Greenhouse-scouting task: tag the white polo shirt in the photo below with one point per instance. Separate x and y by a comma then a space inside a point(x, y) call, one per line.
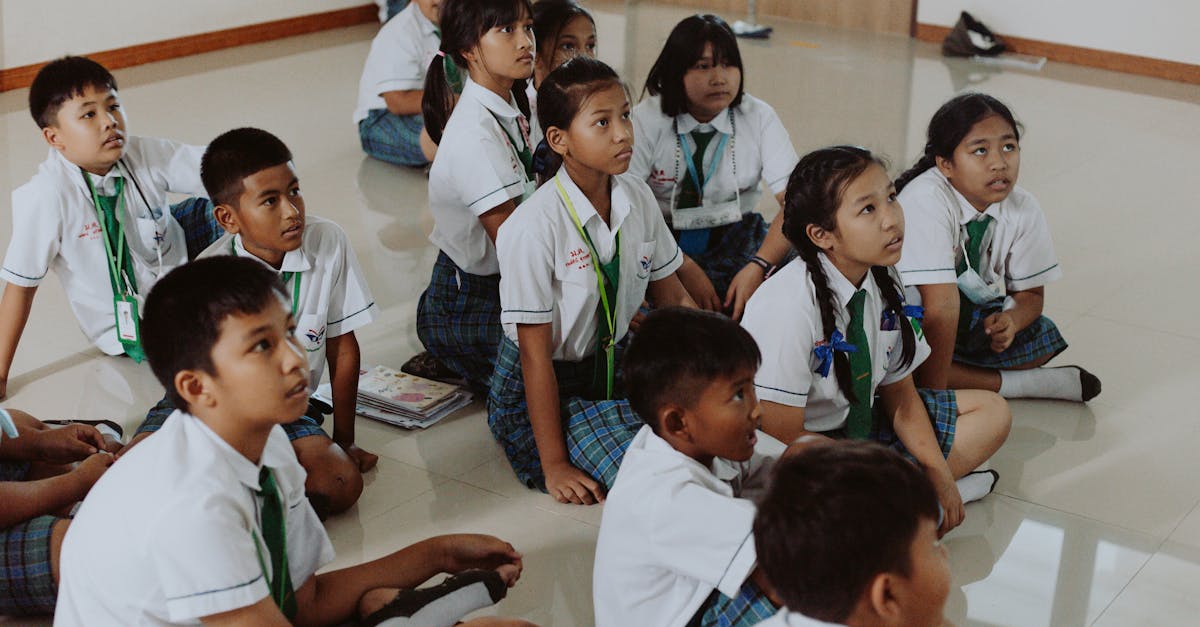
point(56, 227)
point(399, 58)
point(546, 273)
point(761, 149)
point(476, 170)
point(674, 530)
point(935, 216)
point(334, 296)
point(785, 320)
point(167, 535)
point(787, 618)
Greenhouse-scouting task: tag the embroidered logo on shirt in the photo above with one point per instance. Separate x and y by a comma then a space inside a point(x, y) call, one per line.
point(659, 177)
point(644, 267)
point(90, 231)
point(579, 258)
point(315, 337)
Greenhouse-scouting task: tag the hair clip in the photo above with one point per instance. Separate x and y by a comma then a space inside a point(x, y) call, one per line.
point(824, 351)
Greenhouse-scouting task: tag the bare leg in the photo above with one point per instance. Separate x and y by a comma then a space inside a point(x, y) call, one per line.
point(332, 474)
point(57, 533)
point(983, 424)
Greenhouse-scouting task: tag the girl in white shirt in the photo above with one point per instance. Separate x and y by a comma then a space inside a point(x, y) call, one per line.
point(482, 171)
point(835, 333)
point(577, 259)
point(705, 147)
point(980, 258)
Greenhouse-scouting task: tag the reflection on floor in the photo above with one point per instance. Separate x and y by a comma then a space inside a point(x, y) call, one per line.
point(1095, 520)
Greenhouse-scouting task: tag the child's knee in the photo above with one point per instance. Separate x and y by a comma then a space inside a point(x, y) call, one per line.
point(334, 482)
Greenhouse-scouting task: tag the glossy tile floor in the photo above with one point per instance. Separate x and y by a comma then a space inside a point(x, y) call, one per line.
point(1096, 519)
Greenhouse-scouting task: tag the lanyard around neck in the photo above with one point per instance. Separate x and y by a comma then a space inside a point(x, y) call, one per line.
point(690, 160)
point(293, 277)
point(116, 259)
point(681, 146)
point(609, 347)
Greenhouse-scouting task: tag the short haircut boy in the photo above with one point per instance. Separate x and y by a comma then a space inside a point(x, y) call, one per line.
point(63, 79)
point(836, 515)
point(677, 352)
point(185, 310)
point(235, 155)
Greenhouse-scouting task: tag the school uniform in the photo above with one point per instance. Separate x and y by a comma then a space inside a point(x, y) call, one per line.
point(788, 618)
point(56, 226)
point(1015, 252)
point(548, 278)
point(26, 581)
point(750, 146)
point(484, 160)
point(784, 317)
point(676, 540)
point(193, 507)
point(398, 61)
point(329, 296)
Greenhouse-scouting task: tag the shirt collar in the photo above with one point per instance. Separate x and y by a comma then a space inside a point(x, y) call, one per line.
point(105, 185)
point(245, 470)
point(721, 469)
point(842, 288)
point(489, 100)
point(967, 211)
point(427, 27)
point(293, 260)
point(619, 209)
point(686, 123)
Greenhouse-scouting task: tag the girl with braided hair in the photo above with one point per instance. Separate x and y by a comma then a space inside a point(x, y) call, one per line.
point(839, 344)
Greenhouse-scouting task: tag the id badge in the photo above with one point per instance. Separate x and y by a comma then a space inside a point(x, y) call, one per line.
point(706, 216)
point(977, 290)
point(127, 320)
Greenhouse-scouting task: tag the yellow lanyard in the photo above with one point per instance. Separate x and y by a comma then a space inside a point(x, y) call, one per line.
point(608, 346)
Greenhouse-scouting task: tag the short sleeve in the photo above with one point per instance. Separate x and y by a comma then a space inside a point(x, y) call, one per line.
point(526, 255)
point(785, 375)
point(930, 234)
point(309, 547)
point(897, 370)
point(667, 256)
point(206, 560)
point(1031, 261)
point(778, 154)
point(399, 61)
point(35, 240)
point(484, 169)
point(719, 552)
point(351, 304)
point(642, 163)
point(177, 164)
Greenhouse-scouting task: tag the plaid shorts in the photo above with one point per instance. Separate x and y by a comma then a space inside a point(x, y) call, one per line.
point(26, 581)
point(458, 321)
point(749, 607)
point(942, 406)
point(393, 138)
point(200, 228)
point(1035, 341)
point(597, 431)
point(306, 425)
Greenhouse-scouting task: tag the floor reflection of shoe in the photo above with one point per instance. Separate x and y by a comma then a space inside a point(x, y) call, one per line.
point(429, 367)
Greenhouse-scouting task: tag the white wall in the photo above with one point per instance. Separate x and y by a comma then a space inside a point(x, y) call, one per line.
point(1161, 29)
point(32, 31)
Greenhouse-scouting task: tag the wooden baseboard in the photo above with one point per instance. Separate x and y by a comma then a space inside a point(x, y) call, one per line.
point(876, 16)
point(1089, 57)
point(18, 77)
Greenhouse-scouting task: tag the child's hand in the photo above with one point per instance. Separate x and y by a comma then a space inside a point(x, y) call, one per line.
point(90, 470)
point(1000, 327)
point(636, 322)
point(365, 460)
point(568, 484)
point(698, 286)
point(743, 285)
point(950, 500)
point(67, 444)
point(467, 551)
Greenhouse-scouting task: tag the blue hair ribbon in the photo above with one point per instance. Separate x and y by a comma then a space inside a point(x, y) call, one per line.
point(824, 351)
point(915, 314)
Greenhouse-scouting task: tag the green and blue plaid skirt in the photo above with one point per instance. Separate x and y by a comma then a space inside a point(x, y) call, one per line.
point(1035, 341)
point(597, 431)
point(26, 580)
point(200, 228)
point(942, 406)
point(306, 425)
point(750, 607)
point(393, 138)
point(458, 321)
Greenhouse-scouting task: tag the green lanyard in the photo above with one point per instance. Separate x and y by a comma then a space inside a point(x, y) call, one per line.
point(294, 277)
point(116, 260)
point(607, 344)
point(525, 154)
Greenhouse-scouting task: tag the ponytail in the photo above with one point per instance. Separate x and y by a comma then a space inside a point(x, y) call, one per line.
point(894, 303)
point(438, 99)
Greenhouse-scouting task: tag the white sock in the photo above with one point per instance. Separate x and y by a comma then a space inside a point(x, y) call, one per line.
point(1068, 383)
point(976, 485)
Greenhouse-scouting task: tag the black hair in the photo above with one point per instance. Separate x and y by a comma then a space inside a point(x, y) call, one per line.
point(235, 155)
point(550, 17)
point(61, 80)
point(186, 308)
point(814, 191)
point(835, 516)
point(677, 352)
point(563, 93)
point(950, 124)
point(684, 47)
point(463, 24)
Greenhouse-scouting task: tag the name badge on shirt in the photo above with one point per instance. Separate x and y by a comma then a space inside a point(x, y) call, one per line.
point(127, 319)
point(706, 216)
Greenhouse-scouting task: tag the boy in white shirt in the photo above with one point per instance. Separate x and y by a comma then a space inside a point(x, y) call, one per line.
point(675, 541)
point(97, 212)
point(847, 534)
point(249, 174)
point(214, 504)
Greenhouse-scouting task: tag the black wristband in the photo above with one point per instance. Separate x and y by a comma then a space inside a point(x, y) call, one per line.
point(762, 263)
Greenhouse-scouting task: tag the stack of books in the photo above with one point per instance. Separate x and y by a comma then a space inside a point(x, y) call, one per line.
point(401, 399)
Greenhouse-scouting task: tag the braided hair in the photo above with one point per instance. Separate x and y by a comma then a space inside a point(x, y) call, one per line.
point(950, 125)
point(814, 192)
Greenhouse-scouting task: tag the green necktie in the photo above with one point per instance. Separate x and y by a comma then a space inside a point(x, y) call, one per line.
point(689, 190)
point(108, 213)
point(858, 422)
point(976, 232)
point(275, 537)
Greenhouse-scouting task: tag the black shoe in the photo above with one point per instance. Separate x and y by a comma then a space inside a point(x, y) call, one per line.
point(970, 37)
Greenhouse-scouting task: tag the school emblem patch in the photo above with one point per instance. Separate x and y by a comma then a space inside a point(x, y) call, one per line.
point(644, 267)
point(315, 338)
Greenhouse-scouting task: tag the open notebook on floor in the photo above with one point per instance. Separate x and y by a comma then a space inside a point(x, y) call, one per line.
point(401, 399)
